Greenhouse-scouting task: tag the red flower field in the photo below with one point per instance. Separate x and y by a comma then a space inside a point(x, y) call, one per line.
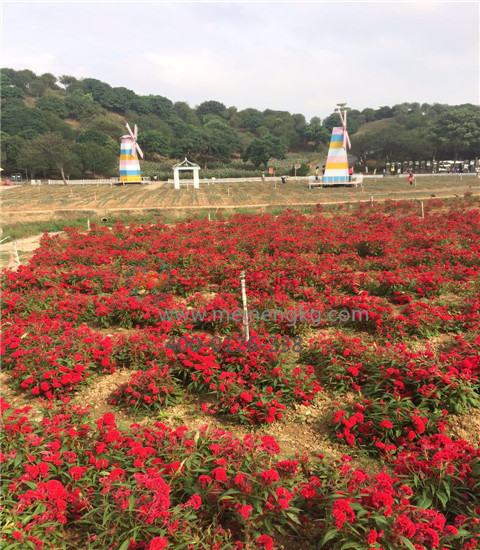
point(400, 368)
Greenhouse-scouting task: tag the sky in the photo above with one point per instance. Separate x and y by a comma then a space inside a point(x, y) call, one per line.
point(301, 57)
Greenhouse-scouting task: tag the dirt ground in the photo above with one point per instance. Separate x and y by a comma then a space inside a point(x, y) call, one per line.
point(40, 203)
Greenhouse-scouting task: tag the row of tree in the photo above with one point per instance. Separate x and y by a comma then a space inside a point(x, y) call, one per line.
point(45, 118)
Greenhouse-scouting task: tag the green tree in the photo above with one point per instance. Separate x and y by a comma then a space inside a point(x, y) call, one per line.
point(101, 92)
point(154, 141)
point(211, 108)
point(369, 114)
point(33, 160)
point(81, 105)
point(50, 150)
point(193, 144)
point(22, 79)
point(123, 99)
point(109, 126)
point(262, 149)
point(12, 147)
point(315, 134)
point(68, 82)
point(162, 107)
point(16, 117)
point(457, 130)
point(222, 141)
point(383, 112)
point(186, 113)
point(97, 159)
point(250, 119)
point(8, 89)
point(53, 104)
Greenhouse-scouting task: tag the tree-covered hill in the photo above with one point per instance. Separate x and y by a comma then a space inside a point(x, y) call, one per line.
point(72, 127)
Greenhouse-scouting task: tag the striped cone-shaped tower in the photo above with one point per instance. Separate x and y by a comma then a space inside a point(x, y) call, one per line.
point(336, 169)
point(129, 152)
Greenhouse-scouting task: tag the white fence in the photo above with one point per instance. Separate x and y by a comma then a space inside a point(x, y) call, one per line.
point(405, 175)
point(111, 181)
point(357, 179)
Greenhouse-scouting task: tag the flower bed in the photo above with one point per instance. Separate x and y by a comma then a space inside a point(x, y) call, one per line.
point(89, 304)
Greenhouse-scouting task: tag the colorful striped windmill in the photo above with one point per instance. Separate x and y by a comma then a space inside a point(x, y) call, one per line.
point(336, 169)
point(129, 165)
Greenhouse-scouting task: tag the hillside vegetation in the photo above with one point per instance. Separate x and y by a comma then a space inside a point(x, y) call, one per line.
point(71, 127)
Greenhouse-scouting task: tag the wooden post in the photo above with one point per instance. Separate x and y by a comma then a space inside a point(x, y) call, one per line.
point(209, 219)
point(88, 224)
point(245, 327)
point(423, 212)
point(371, 200)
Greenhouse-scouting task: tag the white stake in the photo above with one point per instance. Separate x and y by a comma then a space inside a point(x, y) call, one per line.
point(88, 225)
point(423, 212)
point(16, 256)
point(371, 200)
point(209, 219)
point(245, 327)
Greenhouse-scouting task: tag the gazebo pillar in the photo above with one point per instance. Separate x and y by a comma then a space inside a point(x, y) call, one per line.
point(176, 178)
point(196, 179)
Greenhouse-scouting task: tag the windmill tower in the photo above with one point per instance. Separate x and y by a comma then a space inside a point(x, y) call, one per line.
point(129, 151)
point(336, 169)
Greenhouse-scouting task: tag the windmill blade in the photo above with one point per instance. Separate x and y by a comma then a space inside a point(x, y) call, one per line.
point(346, 139)
point(130, 131)
point(137, 147)
point(344, 122)
point(135, 132)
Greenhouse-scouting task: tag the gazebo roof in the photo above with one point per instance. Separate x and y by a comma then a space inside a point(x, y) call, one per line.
point(185, 164)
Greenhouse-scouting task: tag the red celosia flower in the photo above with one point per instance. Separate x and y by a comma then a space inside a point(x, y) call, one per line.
point(194, 502)
point(386, 424)
point(244, 510)
point(265, 541)
point(342, 512)
point(219, 474)
point(77, 472)
point(158, 543)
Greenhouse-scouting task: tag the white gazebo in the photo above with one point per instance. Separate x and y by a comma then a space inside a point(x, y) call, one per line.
point(186, 165)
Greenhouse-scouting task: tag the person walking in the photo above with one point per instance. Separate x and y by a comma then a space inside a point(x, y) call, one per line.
point(392, 170)
point(317, 172)
point(350, 173)
point(284, 179)
point(410, 178)
point(263, 177)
